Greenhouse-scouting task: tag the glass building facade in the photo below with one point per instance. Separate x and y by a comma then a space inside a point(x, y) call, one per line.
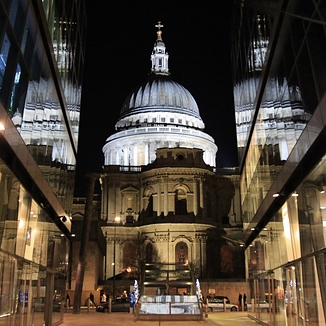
point(279, 69)
point(41, 64)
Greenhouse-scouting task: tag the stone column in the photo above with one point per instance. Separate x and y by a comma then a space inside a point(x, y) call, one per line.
point(139, 201)
point(201, 193)
point(146, 159)
point(104, 204)
point(112, 203)
point(118, 208)
point(166, 197)
point(123, 204)
point(116, 158)
point(204, 256)
point(195, 199)
point(159, 210)
point(134, 159)
point(125, 156)
point(169, 247)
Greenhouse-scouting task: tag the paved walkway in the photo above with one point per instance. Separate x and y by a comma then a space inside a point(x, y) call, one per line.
point(122, 318)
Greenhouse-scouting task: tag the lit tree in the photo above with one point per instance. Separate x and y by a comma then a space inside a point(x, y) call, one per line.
point(136, 253)
point(195, 268)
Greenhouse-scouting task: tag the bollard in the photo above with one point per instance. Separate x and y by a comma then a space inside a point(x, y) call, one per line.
point(206, 310)
point(110, 305)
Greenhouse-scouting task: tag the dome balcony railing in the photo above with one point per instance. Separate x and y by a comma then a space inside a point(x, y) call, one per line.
point(172, 130)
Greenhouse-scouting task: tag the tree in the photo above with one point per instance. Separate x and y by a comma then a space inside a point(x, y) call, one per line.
point(195, 268)
point(136, 253)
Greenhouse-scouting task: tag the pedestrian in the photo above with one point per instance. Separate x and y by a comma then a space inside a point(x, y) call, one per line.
point(68, 300)
point(104, 297)
point(244, 302)
point(239, 299)
point(91, 298)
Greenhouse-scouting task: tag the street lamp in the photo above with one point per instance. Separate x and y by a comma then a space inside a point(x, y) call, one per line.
point(116, 220)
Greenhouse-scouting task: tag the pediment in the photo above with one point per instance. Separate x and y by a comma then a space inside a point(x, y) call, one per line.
point(129, 189)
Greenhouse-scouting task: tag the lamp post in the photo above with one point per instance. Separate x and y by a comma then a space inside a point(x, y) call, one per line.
point(116, 220)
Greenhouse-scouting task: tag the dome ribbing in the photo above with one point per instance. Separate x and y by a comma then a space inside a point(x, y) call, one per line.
point(162, 94)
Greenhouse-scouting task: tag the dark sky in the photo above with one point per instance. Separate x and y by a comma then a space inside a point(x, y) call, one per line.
point(120, 39)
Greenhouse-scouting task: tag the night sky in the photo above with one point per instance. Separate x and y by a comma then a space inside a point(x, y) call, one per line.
point(120, 39)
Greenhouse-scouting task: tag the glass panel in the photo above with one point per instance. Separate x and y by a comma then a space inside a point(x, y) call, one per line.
point(26, 232)
point(8, 284)
point(33, 100)
point(315, 34)
point(46, 5)
point(296, 231)
point(14, 7)
point(22, 291)
point(19, 20)
point(3, 58)
point(44, 132)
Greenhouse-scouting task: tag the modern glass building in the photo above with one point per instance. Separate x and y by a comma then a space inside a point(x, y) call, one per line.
point(279, 61)
point(41, 63)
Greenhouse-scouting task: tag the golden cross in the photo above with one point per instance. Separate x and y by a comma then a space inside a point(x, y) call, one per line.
point(159, 32)
point(159, 25)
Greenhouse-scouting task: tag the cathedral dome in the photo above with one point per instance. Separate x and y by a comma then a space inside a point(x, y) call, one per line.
point(160, 100)
point(162, 94)
point(160, 113)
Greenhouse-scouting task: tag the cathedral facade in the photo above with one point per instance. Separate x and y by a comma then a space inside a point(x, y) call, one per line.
point(160, 181)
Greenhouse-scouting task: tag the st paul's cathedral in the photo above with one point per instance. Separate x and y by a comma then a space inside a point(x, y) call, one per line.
point(160, 182)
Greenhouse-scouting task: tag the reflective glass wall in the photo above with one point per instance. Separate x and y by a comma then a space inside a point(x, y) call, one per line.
point(286, 261)
point(280, 109)
point(40, 84)
point(41, 65)
point(33, 258)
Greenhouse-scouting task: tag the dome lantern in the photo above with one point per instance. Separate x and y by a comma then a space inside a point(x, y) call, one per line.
point(159, 55)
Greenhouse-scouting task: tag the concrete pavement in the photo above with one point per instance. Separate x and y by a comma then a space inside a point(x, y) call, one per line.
point(122, 318)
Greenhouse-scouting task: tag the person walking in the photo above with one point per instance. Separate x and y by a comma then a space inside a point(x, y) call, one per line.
point(244, 302)
point(91, 298)
point(104, 297)
point(240, 301)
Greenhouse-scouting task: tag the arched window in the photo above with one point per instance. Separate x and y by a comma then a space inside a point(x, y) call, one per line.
point(148, 202)
point(149, 211)
point(130, 204)
point(180, 202)
point(128, 252)
point(149, 253)
point(181, 253)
